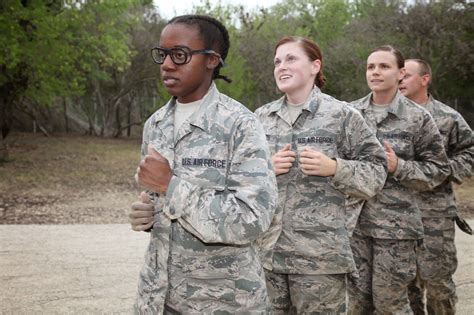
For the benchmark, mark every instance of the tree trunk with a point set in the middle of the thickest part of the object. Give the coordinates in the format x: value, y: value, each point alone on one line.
x: 129, y: 118
x: 4, y: 156
x: 42, y: 129
x: 66, y: 121
x: 118, y: 124
x: 6, y: 108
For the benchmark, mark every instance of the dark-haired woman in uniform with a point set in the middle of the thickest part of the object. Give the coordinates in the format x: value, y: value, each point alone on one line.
x: 206, y: 160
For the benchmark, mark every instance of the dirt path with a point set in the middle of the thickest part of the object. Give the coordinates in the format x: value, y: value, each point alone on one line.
x: 82, y: 269
x: 65, y: 245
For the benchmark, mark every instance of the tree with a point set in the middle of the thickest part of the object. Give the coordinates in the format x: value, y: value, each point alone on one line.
x: 36, y: 64
x: 57, y: 49
x: 104, y: 53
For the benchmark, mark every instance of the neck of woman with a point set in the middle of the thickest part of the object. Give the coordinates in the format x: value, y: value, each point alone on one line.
x: 384, y: 97
x: 299, y: 96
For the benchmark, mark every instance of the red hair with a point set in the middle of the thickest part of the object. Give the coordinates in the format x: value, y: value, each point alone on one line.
x: 311, y: 50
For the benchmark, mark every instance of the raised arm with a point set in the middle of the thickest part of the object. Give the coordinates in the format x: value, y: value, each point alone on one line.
x: 243, y: 210
x: 430, y: 166
x: 362, y: 168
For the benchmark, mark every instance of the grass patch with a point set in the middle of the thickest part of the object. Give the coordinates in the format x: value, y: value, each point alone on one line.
x: 69, y: 162
x: 70, y: 179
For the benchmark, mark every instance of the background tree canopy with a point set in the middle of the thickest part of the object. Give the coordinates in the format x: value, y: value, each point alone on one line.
x: 85, y: 66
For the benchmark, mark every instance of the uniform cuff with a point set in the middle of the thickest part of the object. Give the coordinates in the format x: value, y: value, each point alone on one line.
x: 340, y: 175
x: 399, y: 170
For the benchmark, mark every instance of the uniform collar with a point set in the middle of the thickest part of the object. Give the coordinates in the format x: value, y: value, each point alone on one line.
x: 394, y: 107
x: 202, y: 118
x: 431, y: 102
x: 311, y: 104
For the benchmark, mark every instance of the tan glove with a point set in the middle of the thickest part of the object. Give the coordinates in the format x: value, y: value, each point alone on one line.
x: 141, y: 216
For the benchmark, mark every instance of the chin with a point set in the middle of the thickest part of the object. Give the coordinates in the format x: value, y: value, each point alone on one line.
x: 173, y: 91
x: 284, y: 88
x: 377, y: 88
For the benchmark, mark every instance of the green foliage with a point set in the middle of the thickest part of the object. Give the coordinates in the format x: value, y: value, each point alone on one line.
x: 35, y: 59
x: 59, y: 49
x: 95, y: 54
x: 59, y: 52
x: 440, y: 32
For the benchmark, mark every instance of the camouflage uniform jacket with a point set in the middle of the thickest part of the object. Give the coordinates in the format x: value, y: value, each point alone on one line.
x: 202, y: 255
x: 308, y: 232
x: 422, y: 165
x: 458, y: 140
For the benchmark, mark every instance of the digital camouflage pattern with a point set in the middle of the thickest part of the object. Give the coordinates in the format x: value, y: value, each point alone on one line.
x: 384, y: 240
x: 422, y: 165
x: 308, y: 234
x: 436, y: 259
x: 436, y: 262
x: 458, y: 140
x: 202, y: 258
x: 385, y: 269
x: 307, y: 294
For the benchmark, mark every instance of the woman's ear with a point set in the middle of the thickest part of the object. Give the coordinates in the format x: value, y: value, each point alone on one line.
x: 213, y: 61
x: 401, y: 74
x: 315, y: 66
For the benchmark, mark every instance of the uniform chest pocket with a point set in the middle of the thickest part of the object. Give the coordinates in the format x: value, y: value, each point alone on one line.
x: 400, y: 141
x: 324, y: 142
x: 203, y: 164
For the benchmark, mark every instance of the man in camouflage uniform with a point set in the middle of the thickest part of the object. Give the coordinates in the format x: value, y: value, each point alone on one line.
x: 221, y: 198
x: 436, y: 259
x: 306, y: 250
x: 390, y: 223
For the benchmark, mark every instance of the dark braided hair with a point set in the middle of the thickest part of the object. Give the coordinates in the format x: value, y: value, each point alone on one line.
x: 213, y: 33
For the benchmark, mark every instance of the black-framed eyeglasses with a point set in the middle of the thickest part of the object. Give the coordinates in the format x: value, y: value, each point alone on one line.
x: 180, y: 55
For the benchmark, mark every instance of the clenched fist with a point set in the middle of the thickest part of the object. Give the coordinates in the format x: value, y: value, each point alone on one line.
x: 313, y: 162
x: 392, y: 158
x: 283, y: 160
x: 154, y: 172
x: 141, y: 216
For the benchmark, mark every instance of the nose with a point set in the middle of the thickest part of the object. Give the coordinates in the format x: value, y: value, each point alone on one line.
x: 281, y: 66
x: 375, y: 71
x: 168, y: 63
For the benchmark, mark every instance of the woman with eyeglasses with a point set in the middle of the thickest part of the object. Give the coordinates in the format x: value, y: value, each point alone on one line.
x: 322, y: 152
x: 206, y: 165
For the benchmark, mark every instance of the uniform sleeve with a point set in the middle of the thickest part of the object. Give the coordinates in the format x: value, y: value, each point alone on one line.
x: 362, y: 168
x: 244, y: 209
x: 430, y: 165
x: 353, y: 208
x: 145, y: 139
x: 460, y: 150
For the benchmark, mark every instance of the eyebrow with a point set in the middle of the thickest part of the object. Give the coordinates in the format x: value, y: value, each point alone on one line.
x: 379, y: 63
x: 288, y: 54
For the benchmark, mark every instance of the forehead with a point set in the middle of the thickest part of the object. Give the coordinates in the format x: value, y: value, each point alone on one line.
x: 181, y: 35
x: 289, y: 48
x: 412, y: 67
x: 382, y: 57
